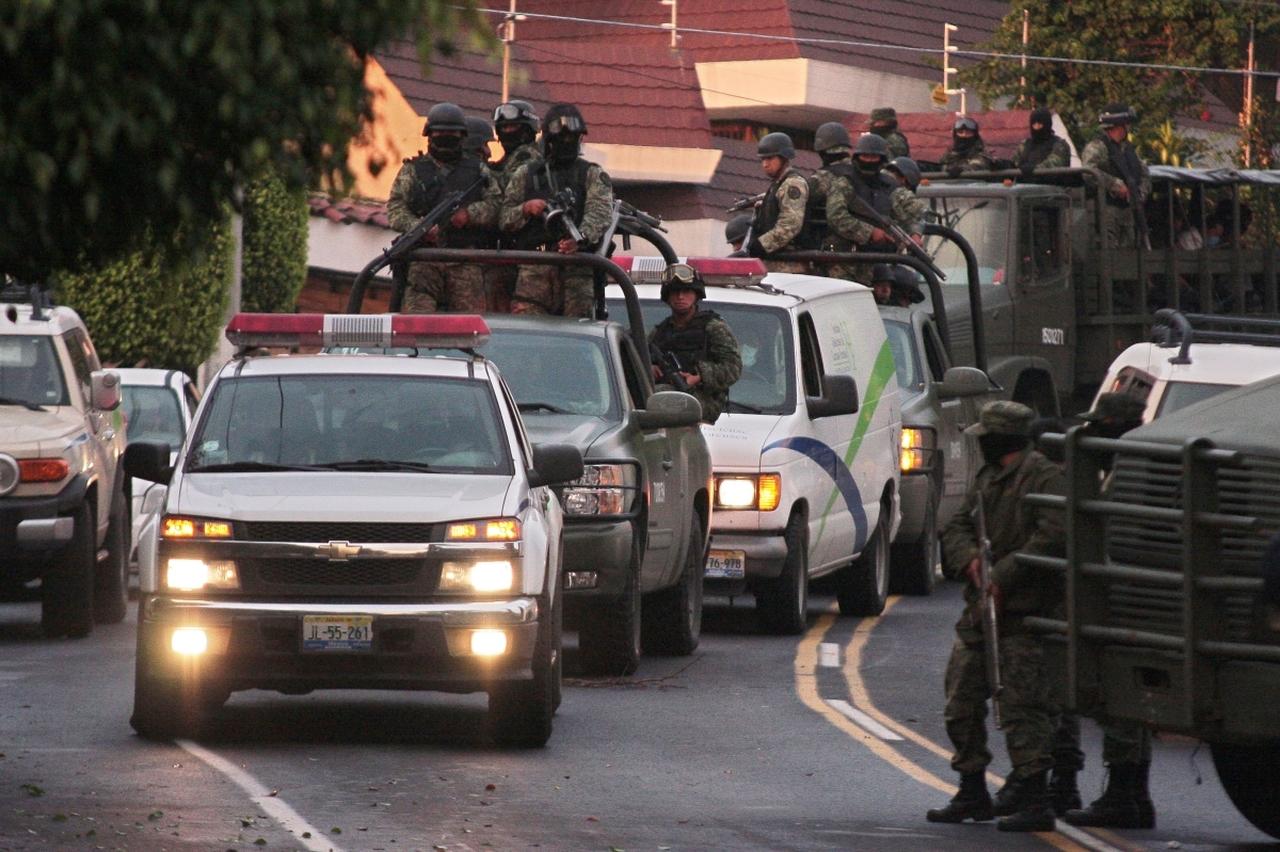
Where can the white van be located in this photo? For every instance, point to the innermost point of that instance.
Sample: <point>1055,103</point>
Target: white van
<point>805,457</point>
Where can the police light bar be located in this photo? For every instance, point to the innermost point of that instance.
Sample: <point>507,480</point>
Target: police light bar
<point>424,331</point>
<point>714,270</point>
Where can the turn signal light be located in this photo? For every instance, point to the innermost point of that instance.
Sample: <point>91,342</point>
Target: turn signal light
<point>43,470</point>
<point>492,529</point>
<point>769,492</point>
<point>179,527</point>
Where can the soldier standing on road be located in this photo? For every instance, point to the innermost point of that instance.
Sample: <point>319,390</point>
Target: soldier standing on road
<point>1043,149</point>
<point>967,152</point>
<point>1029,701</point>
<point>779,218</point>
<point>569,290</point>
<point>700,340</point>
<point>420,185</point>
<point>884,123</point>
<point>1111,153</point>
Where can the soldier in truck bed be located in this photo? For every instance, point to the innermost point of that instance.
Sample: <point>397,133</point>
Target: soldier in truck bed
<point>779,218</point>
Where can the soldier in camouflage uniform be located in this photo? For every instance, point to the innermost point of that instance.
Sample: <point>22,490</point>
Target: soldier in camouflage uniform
<point>831,141</point>
<point>479,135</point>
<point>1030,701</point>
<point>866,179</point>
<point>779,218</point>
<point>418,187</point>
<point>905,171</point>
<point>516,123</point>
<point>699,339</point>
<point>568,290</point>
<point>967,152</point>
<point>1111,153</point>
<point>1043,149</point>
<point>884,123</point>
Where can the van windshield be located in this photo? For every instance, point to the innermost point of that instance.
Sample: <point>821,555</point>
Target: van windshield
<point>984,222</point>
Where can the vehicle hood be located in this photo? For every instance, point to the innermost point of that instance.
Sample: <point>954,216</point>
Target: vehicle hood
<point>29,434</point>
<point>735,440</point>
<point>581,430</point>
<point>342,496</point>
<point>1230,420</point>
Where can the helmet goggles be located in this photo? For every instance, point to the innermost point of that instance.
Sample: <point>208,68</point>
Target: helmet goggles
<point>682,274</point>
<point>565,124</point>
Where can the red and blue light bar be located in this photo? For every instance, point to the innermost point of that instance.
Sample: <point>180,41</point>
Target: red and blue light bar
<point>422,331</point>
<point>714,270</point>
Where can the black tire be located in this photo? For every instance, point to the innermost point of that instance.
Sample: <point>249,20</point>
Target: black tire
<point>1248,774</point>
<point>783,603</point>
<point>111,579</point>
<point>521,713</point>
<point>66,592</point>
<point>609,631</point>
<point>671,620</point>
<point>914,564</point>
<point>863,586</point>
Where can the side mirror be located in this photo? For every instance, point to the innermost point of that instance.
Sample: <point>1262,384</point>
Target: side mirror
<point>148,460</point>
<point>105,389</point>
<point>963,381</point>
<point>669,408</point>
<point>841,397</point>
<point>554,464</point>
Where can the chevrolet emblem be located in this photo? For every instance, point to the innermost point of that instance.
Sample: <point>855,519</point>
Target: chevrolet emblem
<point>338,551</point>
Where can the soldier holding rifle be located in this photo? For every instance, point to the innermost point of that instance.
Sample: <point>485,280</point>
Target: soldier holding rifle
<point>994,522</point>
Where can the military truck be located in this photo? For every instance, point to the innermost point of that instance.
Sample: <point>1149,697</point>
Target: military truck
<point>1059,297</point>
<point>1167,621</point>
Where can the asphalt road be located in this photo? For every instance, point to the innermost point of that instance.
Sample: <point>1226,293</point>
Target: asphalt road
<point>737,747</point>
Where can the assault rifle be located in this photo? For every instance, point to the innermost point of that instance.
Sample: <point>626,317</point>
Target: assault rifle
<point>990,625</point>
<point>747,203</point>
<point>669,368</point>
<point>864,211</point>
<point>410,239</point>
<point>560,210</point>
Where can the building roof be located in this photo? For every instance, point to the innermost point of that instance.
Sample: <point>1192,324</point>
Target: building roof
<point>349,211</point>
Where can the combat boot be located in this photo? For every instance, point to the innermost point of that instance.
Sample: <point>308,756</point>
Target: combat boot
<point>1009,799</point>
<point>1118,805</point>
<point>971,801</point>
<point>1063,792</point>
<point>1142,795</point>
<point>1036,812</point>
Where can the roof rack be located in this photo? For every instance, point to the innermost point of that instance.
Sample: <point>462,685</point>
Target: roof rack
<point>1174,328</point>
<point>22,293</point>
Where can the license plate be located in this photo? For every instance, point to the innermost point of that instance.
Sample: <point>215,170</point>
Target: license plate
<point>337,633</point>
<point>726,564</point>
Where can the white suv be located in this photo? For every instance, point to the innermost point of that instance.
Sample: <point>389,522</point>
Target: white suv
<point>64,505</point>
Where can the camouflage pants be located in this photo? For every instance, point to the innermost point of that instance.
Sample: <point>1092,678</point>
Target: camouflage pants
<point>556,291</point>
<point>456,287</point>
<point>1125,743</point>
<point>500,281</point>
<point>1029,706</point>
<point>1067,754</point>
<point>796,266</point>
<point>1117,222</point>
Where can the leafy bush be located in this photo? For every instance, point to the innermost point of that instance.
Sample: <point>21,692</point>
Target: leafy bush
<point>274,252</point>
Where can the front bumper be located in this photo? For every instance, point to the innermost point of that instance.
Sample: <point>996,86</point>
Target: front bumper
<point>258,645</point>
<point>602,548</point>
<point>766,551</point>
<point>33,528</point>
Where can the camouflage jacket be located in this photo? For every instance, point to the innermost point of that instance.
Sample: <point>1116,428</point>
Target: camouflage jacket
<point>506,167</point>
<point>898,145</point>
<point>974,160</point>
<point>483,212</point>
<point>1033,153</point>
<point>791,191</point>
<point>1097,156</point>
<point>1012,526</point>
<point>844,228</point>
<point>719,368</point>
<point>597,208</point>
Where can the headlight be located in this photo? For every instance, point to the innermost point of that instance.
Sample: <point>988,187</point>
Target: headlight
<point>761,492</point>
<point>489,529</point>
<point>603,489</point>
<point>495,576</point>
<point>182,528</point>
<point>917,449</point>
<point>192,575</point>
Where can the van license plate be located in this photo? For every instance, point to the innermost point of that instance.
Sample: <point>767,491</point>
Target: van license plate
<point>337,633</point>
<point>726,564</point>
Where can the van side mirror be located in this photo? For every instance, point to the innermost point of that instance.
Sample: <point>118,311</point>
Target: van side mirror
<point>668,409</point>
<point>105,389</point>
<point>148,460</point>
<point>840,397</point>
<point>960,382</point>
<point>554,464</point>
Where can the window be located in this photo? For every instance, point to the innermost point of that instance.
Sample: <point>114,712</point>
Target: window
<point>810,357</point>
<point>78,352</point>
<point>1040,241</point>
<point>984,222</point>
<point>904,353</point>
<point>29,371</point>
<point>934,352</point>
<point>153,413</point>
<point>556,373</point>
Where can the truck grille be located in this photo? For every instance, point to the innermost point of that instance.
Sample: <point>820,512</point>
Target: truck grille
<point>316,572</point>
<point>320,532</point>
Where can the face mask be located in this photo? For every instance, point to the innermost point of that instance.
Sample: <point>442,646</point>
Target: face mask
<point>996,447</point>
<point>513,139</point>
<point>563,149</point>
<point>445,148</point>
<point>963,143</point>
<point>869,169</point>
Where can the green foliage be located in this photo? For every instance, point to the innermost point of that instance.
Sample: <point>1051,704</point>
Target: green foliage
<point>1169,148</point>
<point>160,306</point>
<point>273,265</point>
<point>122,118</point>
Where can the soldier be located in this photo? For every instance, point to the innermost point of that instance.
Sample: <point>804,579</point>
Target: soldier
<point>884,123</point>
<point>882,283</point>
<point>736,230</point>
<point>905,171</point>
<point>779,218</point>
<point>699,339</point>
<point>967,152</point>
<point>419,186</point>
<point>831,141</point>
<point>1011,470</point>
<point>1124,176</point>
<point>516,123</point>
<point>905,290</point>
<point>533,188</point>
<point>1043,149</point>
<point>479,134</point>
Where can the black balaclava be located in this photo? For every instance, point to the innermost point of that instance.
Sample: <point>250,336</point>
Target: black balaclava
<point>995,447</point>
<point>962,144</point>
<point>562,148</point>
<point>1044,117</point>
<point>829,157</point>
<point>444,147</point>
<point>868,169</point>
<point>1110,428</point>
<point>513,139</point>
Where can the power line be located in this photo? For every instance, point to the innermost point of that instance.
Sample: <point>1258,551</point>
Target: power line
<point>872,45</point>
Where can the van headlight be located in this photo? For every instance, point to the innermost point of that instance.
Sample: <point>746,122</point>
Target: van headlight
<point>760,492</point>
<point>192,575</point>
<point>603,489</point>
<point>478,577</point>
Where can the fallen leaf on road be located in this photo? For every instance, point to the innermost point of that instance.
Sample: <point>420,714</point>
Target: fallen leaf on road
<point>155,815</point>
<point>489,788</point>
<point>593,819</point>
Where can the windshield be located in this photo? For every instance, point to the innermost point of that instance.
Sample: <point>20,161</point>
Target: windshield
<point>984,222</point>
<point>905,356</point>
<point>29,373</point>
<point>154,414</point>
<point>1178,395</point>
<point>767,384</point>
<point>313,422</point>
<point>554,373</point>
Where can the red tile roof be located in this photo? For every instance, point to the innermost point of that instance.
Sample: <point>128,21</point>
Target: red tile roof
<point>348,211</point>
<point>930,132</point>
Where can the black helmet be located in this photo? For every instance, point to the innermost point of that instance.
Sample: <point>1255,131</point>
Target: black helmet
<point>882,272</point>
<point>516,112</point>
<point>1117,114</point>
<point>831,135</point>
<point>964,122</point>
<point>564,118</point>
<point>735,230</point>
<point>906,167</point>
<point>682,276</point>
<point>479,133</point>
<point>905,281</point>
<point>445,116</point>
<point>776,145</point>
<point>869,143</point>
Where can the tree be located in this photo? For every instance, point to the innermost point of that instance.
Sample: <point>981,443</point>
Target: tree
<point>121,121</point>
<point>273,265</point>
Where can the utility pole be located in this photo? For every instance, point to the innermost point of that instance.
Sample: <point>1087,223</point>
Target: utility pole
<point>1246,116</point>
<point>1026,37</point>
<point>947,49</point>
<point>508,36</point>
<point>675,37</point>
